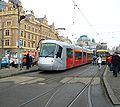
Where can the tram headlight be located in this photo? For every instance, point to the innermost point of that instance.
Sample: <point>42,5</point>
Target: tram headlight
<point>52,61</point>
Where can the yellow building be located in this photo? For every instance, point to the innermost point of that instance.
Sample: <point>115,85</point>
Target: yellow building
<point>32,29</point>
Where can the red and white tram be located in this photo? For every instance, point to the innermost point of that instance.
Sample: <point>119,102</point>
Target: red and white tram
<point>58,55</point>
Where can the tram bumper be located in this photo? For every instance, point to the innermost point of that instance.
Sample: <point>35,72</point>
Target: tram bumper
<point>45,67</point>
<point>46,64</point>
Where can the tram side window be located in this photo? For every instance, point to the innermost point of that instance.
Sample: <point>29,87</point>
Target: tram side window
<point>59,52</point>
<point>84,54</point>
<point>88,55</point>
<point>69,53</point>
<point>78,55</point>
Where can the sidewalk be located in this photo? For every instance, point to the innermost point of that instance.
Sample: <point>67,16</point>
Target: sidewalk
<point>112,86</point>
<point>7,72</point>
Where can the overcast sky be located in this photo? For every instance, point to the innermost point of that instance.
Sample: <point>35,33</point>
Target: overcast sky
<point>99,19</point>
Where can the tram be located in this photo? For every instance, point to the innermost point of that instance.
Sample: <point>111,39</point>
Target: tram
<point>58,55</point>
<point>103,53</point>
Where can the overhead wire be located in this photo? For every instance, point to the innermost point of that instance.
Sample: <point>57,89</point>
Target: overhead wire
<point>75,5</point>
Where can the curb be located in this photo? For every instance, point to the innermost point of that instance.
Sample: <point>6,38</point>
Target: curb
<point>18,73</point>
<point>108,89</point>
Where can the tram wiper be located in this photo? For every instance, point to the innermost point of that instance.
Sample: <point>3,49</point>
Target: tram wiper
<point>49,54</point>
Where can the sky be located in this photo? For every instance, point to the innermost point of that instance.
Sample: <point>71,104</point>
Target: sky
<point>98,19</point>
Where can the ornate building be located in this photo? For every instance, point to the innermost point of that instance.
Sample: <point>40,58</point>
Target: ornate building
<point>85,41</point>
<point>31,30</point>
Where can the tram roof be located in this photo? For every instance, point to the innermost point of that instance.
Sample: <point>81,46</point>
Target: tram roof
<point>61,43</point>
<point>58,42</point>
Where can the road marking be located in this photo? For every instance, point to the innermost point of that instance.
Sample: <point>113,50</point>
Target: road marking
<point>22,79</point>
<point>84,80</point>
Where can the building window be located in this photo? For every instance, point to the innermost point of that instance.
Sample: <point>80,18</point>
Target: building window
<point>24,34</point>
<point>9,23</point>
<point>32,37</point>
<point>7,33</point>
<point>25,27</point>
<point>29,44</point>
<point>32,45</point>
<point>28,36</point>
<point>33,29</point>
<point>7,43</point>
<point>9,9</point>
<point>28,27</point>
<point>24,43</point>
<point>21,33</point>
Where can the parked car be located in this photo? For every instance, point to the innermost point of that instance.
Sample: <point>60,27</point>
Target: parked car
<point>5,62</point>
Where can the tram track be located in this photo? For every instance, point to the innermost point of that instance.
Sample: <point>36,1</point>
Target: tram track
<point>48,80</point>
<point>57,89</point>
<point>87,86</point>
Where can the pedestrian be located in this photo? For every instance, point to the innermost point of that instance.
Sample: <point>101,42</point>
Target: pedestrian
<point>94,59</point>
<point>27,61</point>
<point>115,64</point>
<point>119,64</point>
<point>99,61</point>
<point>109,62</point>
<point>30,61</point>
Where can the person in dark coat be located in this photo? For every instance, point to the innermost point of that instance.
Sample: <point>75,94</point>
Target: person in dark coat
<point>115,63</point>
<point>30,61</point>
<point>27,61</point>
<point>119,64</point>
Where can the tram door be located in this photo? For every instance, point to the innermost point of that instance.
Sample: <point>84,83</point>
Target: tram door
<point>59,59</point>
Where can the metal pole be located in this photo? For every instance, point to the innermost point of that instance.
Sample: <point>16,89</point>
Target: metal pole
<point>19,68</point>
<point>2,38</point>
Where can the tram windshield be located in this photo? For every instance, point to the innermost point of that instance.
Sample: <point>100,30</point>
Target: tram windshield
<point>103,54</point>
<point>47,50</point>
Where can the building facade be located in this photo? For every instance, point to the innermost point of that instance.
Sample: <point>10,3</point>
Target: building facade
<point>31,30</point>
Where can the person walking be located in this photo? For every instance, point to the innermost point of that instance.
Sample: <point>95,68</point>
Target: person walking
<point>94,60</point>
<point>115,64</point>
<point>30,61</point>
<point>27,61</point>
<point>109,62</point>
<point>99,61</point>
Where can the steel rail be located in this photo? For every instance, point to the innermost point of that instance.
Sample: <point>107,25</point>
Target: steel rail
<point>58,88</point>
<point>48,79</point>
<point>52,97</point>
<point>81,92</point>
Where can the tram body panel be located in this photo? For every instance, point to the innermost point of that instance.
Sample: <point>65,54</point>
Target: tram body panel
<point>69,58</point>
<point>78,56</point>
<point>84,58</point>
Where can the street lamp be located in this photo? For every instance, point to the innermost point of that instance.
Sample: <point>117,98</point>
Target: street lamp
<point>60,29</point>
<point>16,5</point>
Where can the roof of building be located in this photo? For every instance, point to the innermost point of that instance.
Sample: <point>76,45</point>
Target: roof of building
<point>84,38</point>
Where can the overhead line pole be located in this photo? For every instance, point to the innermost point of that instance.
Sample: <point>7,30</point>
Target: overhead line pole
<point>18,38</point>
<point>2,40</point>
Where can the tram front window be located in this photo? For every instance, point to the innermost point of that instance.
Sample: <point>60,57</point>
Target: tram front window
<point>47,50</point>
<point>103,54</point>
